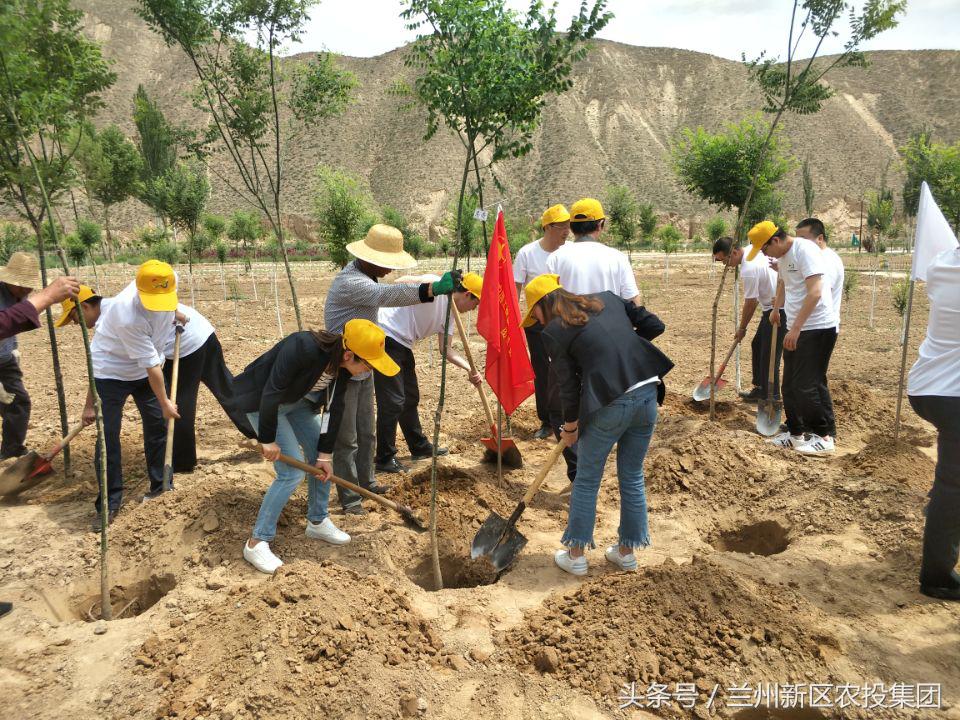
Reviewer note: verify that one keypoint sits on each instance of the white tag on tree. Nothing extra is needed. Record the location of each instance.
(480, 215)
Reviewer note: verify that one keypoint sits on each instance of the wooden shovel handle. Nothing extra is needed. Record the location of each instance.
(774, 332)
(62, 443)
(542, 474)
(251, 444)
(726, 359)
(174, 378)
(473, 367)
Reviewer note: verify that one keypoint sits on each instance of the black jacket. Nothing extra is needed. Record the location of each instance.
(598, 361)
(283, 375)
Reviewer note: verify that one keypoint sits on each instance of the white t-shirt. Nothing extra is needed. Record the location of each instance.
(409, 324)
(531, 261)
(129, 338)
(937, 369)
(195, 333)
(805, 259)
(833, 279)
(759, 280)
(587, 266)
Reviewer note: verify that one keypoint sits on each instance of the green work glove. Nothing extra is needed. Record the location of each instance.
(448, 283)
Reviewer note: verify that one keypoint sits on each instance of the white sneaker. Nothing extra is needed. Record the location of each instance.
(574, 566)
(261, 557)
(786, 440)
(816, 445)
(624, 562)
(327, 531)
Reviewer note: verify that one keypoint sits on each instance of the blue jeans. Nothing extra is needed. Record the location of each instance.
(628, 421)
(298, 426)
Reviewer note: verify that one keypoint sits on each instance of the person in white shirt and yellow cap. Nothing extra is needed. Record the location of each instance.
(398, 396)
(127, 352)
(294, 396)
(530, 262)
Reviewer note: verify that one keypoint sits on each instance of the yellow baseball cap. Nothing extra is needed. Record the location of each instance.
(366, 341)
(157, 286)
(68, 305)
(473, 283)
(586, 209)
(759, 235)
(554, 214)
(535, 291)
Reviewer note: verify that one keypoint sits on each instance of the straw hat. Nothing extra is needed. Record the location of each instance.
(22, 270)
(383, 247)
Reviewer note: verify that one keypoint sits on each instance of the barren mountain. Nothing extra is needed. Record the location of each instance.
(615, 125)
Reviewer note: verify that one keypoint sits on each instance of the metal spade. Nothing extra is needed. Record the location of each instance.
(498, 539)
(769, 410)
(702, 391)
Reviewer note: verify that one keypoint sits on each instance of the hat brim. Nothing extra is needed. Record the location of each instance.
(392, 261)
(755, 250)
(65, 317)
(529, 320)
(383, 364)
(167, 302)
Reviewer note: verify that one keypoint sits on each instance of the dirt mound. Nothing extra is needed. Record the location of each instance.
(312, 625)
(696, 456)
(863, 411)
(695, 623)
(884, 458)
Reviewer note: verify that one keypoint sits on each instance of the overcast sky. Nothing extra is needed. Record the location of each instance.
(365, 28)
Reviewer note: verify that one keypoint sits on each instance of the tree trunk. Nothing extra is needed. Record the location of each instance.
(106, 229)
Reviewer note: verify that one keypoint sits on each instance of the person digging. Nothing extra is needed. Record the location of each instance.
(127, 351)
(398, 396)
(23, 316)
(759, 289)
(294, 396)
(357, 294)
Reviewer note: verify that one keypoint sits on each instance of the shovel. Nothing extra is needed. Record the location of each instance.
(168, 450)
(505, 447)
(769, 410)
(29, 470)
(498, 539)
(702, 391)
(405, 510)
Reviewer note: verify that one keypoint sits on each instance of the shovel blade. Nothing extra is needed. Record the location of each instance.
(488, 535)
(768, 417)
(15, 478)
(702, 391)
(507, 549)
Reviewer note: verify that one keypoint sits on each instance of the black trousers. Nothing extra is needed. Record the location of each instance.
(941, 532)
(541, 372)
(806, 396)
(113, 396)
(398, 401)
(204, 365)
(16, 415)
(556, 421)
(760, 352)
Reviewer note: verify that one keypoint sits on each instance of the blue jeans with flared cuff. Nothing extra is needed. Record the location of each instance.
(627, 422)
(298, 430)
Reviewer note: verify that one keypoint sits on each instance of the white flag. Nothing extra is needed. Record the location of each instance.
(933, 235)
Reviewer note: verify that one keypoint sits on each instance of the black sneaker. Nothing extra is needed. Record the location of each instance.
(356, 509)
(154, 494)
(441, 451)
(379, 488)
(390, 466)
(5, 607)
(755, 395)
(941, 593)
(95, 523)
(543, 433)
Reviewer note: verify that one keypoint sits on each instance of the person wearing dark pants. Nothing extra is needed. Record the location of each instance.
(556, 422)
(132, 331)
(201, 361)
(934, 392)
(760, 352)
(541, 380)
(113, 396)
(810, 339)
(759, 289)
(398, 397)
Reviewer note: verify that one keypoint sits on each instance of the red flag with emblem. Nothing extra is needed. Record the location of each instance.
(508, 370)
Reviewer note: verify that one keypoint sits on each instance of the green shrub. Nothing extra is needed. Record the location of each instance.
(850, 282)
(149, 236)
(900, 290)
(167, 252)
(716, 228)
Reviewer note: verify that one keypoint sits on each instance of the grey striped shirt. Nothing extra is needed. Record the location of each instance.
(355, 295)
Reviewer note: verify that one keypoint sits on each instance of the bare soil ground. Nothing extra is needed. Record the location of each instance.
(765, 566)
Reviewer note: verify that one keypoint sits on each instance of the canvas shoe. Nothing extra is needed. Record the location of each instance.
(624, 562)
(816, 445)
(327, 531)
(786, 440)
(261, 557)
(574, 566)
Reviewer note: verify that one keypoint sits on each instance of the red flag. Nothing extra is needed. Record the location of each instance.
(508, 370)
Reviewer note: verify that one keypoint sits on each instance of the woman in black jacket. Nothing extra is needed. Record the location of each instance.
(610, 377)
(293, 397)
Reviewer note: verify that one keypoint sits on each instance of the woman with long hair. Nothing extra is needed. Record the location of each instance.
(610, 380)
(293, 397)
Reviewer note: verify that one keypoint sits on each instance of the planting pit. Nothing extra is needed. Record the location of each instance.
(128, 599)
(767, 537)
